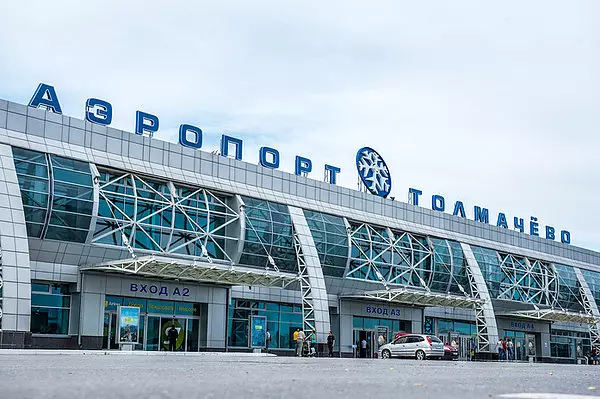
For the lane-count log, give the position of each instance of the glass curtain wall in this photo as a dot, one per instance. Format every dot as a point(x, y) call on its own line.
point(50, 308)
point(57, 195)
point(331, 239)
point(269, 240)
point(282, 320)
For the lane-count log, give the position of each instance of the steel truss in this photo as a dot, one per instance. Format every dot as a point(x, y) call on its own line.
point(590, 307)
point(199, 271)
point(308, 310)
point(127, 221)
point(483, 334)
point(594, 326)
point(526, 280)
point(390, 259)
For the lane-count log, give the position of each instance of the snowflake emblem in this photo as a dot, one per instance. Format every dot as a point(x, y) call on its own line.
point(373, 171)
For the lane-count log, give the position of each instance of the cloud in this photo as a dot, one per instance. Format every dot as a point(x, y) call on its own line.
point(492, 104)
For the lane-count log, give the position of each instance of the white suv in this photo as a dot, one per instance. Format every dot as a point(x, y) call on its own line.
point(418, 346)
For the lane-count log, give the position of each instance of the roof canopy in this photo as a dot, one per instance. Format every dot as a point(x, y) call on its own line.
point(553, 315)
point(190, 270)
point(414, 297)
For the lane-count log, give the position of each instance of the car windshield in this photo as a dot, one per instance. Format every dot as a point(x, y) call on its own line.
point(434, 339)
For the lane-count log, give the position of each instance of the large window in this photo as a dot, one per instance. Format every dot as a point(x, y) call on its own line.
point(331, 239)
point(269, 239)
point(50, 308)
point(57, 195)
point(282, 320)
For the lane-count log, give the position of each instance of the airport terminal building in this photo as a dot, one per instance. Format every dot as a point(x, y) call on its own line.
point(93, 219)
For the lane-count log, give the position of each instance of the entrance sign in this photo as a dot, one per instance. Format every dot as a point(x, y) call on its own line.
point(258, 331)
point(129, 324)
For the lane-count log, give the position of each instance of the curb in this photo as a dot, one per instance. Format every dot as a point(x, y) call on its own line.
point(127, 353)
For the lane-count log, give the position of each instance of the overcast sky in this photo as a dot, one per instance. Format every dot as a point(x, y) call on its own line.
point(494, 105)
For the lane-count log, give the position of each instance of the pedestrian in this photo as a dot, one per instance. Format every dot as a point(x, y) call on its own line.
point(500, 346)
point(504, 349)
point(267, 340)
point(300, 342)
point(511, 350)
point(595, 355)
point(363, 348)
point(172, 335)
point(295, 338)
point(381, 340)
point(330, 343)
point(312, 345)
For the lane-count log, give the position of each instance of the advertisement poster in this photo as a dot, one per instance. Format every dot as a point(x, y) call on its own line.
point(180, 336)
point(129, 324)
point(258, 331)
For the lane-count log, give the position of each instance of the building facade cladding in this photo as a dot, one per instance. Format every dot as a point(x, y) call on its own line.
point(99, 194)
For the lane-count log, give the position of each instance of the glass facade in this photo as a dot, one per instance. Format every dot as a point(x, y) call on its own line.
point(50, 308)
point(331, 240)
point(57, 195)
point(145, 214)
point(269, 236)
point(445, 326)
point(593, 280)
point(528, 280)
point(156, 317)
point(371, 324)
point(569, 344)
point(282, 320)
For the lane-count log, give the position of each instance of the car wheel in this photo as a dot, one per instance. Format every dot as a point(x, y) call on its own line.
point(386, 354)
point(420, 355)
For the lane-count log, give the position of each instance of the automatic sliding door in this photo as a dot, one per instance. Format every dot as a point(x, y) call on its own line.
point(153, 334)
point(193, 335)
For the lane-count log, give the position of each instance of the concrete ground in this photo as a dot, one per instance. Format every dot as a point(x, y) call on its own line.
point(229, 376)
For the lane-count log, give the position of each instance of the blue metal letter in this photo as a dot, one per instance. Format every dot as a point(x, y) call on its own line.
point(183, 139)
point(459, 209)
point(565, 237)
point(331, 173)
point(533, 227)
point(303, 165)
point(98, 111)
point(519, 224)
point(225, 141)
point(438, 203)
point(413, 196)
point(550, 233)
point(39, 98)
point(145, 123)
point(262, 157)
point(502, 221)
point(481, 215)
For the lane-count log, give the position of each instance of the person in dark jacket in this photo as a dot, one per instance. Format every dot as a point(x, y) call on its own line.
point(330, 343)
point(172, 335)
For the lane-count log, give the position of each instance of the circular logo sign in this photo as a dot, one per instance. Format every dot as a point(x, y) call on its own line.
point(373, 172)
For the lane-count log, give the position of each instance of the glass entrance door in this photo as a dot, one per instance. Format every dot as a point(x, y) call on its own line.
point(179, 338)
point(531, 350)
point(109, 332)
point(365, 343)
point(153, 334)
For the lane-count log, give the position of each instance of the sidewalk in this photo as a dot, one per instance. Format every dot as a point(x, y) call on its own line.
point(104, 352)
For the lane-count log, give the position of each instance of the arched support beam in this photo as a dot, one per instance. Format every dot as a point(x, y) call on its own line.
point(315, 304)
point(485, 318)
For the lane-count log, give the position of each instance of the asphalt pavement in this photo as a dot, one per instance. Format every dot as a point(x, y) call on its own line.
point(81, 376)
